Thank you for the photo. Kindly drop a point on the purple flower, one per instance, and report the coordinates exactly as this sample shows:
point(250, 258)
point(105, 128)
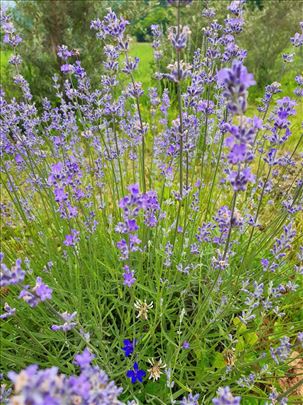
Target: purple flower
point(8, 311)
point(15, 275)
point(234, 25)
point(129, 276)
point(185, 345)
point(235, 6)
point(300, 338)
point(47, 387)
point(136, 374)
point(240, 179)
point(131, 205)
point(225, 397)
point(10, 37)
point(236, 79)
point(60, 194)
point(235, 82)
point(68, 320)
point(67, 69)
point(72, 239)
point(111, 25)
point(64, 53)
point(132, 225)
point(190, 400)
point(288, 57)
point(15, 60)
point(134, 190)
point(42, 290)
point(282, 352)
point(156, 30)
point(130, 65)
point(297, 39)
point(84, 359)
point(178, 39)
point(28, 297)
point(237, 154)
point(273, 396)
point(123, 247)
point(265, 263)
point(57, 173)
point(128, 347)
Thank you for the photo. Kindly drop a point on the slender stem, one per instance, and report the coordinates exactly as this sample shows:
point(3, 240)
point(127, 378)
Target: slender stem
point(118, 156)
point(233, 205)
point(180, 105)
point(257, 213)
point(214, 177)
point(142, 131)
point(205, 134)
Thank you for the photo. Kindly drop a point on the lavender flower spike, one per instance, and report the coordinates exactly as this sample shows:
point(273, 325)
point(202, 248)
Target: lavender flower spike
point(235, 82)
point(225, 397)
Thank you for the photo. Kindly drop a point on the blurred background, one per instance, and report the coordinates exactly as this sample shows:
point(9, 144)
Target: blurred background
point(45, 24)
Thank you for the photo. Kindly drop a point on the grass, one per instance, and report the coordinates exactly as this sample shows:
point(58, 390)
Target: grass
point(144, 51)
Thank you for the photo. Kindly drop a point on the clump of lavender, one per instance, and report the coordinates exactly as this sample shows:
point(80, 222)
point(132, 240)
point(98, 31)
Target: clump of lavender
point(132, 205)
point(36, 386)
point(151, 223)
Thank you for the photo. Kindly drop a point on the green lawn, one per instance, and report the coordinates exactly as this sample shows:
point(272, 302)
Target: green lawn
point(4, 56)
point(144, 51)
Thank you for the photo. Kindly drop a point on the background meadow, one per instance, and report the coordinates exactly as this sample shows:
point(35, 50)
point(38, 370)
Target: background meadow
point(151, 202)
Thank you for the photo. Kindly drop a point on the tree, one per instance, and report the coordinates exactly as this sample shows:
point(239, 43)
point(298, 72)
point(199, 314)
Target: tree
point(267, 34)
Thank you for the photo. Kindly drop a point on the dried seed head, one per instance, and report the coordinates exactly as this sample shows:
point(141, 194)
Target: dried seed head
point(155, 370)
point(143, 308)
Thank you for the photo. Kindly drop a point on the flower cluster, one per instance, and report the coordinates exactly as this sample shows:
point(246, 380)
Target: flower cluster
point(64, 177)
point(235, 82)
point(157, 36)
point(240, 144)
point(37, 386)
point(8, 311)
point(297, 39)
point(225, 397)
point(15, 275)
point(40, 292)
point(111, 26)
point(131, 205)
point(178, 187)
point(282, 352)
point(10, 37)
point(178, 37)
point(68, 322)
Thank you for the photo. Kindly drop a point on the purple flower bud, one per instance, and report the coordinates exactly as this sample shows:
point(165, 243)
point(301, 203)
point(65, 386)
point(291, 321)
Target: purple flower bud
point(129, 276)
point(84, 359)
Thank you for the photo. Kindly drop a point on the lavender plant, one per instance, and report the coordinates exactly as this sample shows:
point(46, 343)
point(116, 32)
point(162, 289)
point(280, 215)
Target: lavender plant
point(155, 247)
